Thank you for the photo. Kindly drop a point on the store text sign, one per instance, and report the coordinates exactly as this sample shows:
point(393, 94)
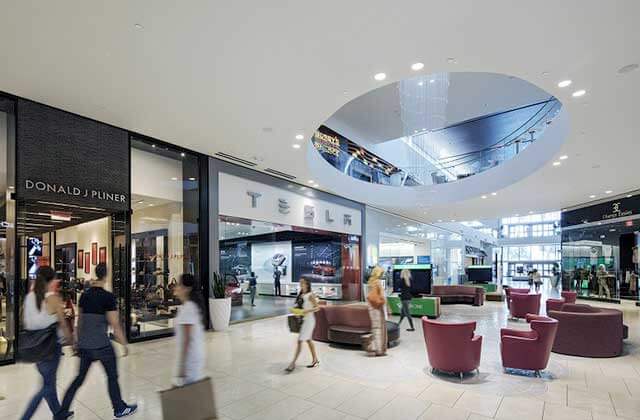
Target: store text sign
point(72, 191)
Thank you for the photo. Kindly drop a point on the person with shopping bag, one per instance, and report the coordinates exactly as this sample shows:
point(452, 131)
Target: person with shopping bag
point(307, 305)
point(376, 343)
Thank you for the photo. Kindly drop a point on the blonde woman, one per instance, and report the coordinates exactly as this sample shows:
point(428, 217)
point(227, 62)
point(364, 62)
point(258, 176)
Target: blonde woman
point(375, 299)
point(405, 298)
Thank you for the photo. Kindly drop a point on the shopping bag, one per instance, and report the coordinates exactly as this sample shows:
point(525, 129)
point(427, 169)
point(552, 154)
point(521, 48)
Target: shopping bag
point(193, 401)
point(295, 323)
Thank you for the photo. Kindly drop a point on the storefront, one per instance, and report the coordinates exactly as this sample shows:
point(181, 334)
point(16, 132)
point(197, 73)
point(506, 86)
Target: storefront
point(273, 233)
point(77, 192)
point(600, 249)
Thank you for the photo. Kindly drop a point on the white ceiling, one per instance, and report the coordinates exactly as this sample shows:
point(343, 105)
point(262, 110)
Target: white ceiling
point(376, 116)
point(211, 75)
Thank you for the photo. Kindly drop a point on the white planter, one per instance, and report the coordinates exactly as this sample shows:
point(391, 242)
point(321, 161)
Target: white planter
point(220, 313)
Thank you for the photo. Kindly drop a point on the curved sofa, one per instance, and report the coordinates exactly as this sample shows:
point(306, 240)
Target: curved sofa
point(452, 347)
point(588, 331)
point(346, 324)
point(459, 294)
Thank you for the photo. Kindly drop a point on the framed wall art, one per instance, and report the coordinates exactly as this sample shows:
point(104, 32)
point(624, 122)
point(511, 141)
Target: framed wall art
point(94, 253)
point(87, 262)
point(80, 258)
point(102, 255)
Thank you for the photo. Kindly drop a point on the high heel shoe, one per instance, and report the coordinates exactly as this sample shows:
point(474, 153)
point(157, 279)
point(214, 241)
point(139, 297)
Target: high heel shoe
point(290, 369)
point(314, 364)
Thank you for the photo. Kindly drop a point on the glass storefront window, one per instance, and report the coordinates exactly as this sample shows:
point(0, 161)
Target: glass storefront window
point(164, 232)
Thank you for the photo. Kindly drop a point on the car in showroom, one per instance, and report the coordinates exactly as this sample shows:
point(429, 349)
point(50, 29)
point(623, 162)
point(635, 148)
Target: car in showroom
point(324, 270)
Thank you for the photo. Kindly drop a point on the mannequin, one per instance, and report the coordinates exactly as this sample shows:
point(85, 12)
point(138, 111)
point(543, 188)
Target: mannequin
point(602, 281)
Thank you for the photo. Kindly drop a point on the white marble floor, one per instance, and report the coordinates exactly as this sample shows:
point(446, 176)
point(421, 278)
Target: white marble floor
point(247, 365)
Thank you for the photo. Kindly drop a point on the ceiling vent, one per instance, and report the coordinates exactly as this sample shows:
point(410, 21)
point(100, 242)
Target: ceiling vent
point(281, 174)
point(235, 159)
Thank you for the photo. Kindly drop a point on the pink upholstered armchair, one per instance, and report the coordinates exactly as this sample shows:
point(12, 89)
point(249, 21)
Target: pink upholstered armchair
point(452, 347)
point(529, 349)
point(556, 304)
point(522, 304)
point(510, 290)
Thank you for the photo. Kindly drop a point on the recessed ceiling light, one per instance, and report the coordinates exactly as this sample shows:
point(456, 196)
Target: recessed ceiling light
point(545, 73)
point(432, 80)
point(556, 163)
point(141, 201)
point(380, 76)
point(564, 83)
point(602, 236)
point(150, 205)
point(311, 181)
point(608, 192)
point(192, 179)
point(420, 83)
point(439, 220)
point(612, 230)
point(579, 93)
point(628, 195)
point(453, 220)
point(296, 146)
point(564, 157)
point(628, 68)
point(153, 145)
point(183, 154)
point(494, 193)
point(138, 26)
point(417, 66)
point(592, 196)
point(299, 136)
point(530, 212)
point(174, 178)
point(483, 197)
point(451, 60)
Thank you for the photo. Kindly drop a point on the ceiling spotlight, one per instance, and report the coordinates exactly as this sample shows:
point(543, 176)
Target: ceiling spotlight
point(453, 220)
point(494, 193)
point(153, 145)
point(579, 93)
point(602, 236)
point(432, 80)
point(183, 154)
point(311, 181)
point(628, 68)
point(417, 66)
point(380, 76)
point(530, 212)
point(451, 60)
point(138, 26)
point(608, 192)
point(174, 178)
point(141, 201)
point(299, 136)
point(592, 196)
point(192, 179)
point(483, 197)
point(439, 220)
point(556, 163)
point(564, 157)
point(296, 146)
point(420, 83)
point(628, 195)
point(564, 83)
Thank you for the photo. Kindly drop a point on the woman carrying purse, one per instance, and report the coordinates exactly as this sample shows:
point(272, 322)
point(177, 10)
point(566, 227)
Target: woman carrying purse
point(377, 345)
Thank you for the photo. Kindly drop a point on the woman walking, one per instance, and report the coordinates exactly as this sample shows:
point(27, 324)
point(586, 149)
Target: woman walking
point(405, 298)
point(537, 279)
point(308, 302)
point(43, 308)
point(189, 332)
point(375, 299)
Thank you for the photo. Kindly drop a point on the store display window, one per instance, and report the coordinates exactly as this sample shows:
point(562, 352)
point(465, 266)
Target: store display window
point(262, 264)
point(164, 233)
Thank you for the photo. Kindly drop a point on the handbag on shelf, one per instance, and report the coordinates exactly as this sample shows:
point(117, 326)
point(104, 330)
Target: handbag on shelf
point(194, 401)
point(295, 323)
point(37, 345)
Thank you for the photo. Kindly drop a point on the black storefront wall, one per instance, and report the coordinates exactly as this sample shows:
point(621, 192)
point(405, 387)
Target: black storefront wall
point(68, 159)
point(623, 207)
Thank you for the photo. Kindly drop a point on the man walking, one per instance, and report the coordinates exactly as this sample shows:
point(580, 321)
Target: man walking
point(98, 310)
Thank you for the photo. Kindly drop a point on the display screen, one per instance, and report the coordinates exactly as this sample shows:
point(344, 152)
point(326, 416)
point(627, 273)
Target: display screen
point(318, 262)
point(34, 251)
point(480, 274)
point(421, 278)
point(235, 259)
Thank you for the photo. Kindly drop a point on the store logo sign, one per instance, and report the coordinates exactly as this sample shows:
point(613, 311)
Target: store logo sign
point(616, 212)
point(327, 216)
point(283, 206)
point(309, 212)
point(347, 220)
point(254, 198)
point(69, 190)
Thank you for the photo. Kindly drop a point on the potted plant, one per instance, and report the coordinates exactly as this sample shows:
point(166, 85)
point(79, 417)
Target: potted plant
point(219, 304)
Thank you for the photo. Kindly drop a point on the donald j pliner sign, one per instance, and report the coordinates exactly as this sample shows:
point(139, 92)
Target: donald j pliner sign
point(72, 191)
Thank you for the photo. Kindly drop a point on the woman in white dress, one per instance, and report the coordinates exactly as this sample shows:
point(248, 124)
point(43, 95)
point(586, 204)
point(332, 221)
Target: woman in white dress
point(189, 330)
point(308, 302)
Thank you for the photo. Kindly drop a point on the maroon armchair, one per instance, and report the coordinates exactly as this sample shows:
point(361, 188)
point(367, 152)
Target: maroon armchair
point(528, 349)
point(556, 304)
point(520, 304)
point(588, 331)
point(452, 347)
point(509, 290)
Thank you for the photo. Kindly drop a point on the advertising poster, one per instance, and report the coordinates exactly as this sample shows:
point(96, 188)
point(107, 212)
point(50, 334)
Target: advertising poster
point(270, 256)
point(236, 259)
point(320, 262)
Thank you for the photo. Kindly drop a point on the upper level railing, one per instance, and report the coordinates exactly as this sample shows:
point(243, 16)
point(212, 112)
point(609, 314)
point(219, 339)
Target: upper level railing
point(429, 164)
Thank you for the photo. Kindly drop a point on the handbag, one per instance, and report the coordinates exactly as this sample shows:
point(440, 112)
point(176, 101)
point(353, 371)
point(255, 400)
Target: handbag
point(295, 323)
point(193, 401)
point(37, 345)
point(375, 299)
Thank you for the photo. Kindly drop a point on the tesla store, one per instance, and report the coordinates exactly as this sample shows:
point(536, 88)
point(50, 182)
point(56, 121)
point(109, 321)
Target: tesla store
point(272, 233)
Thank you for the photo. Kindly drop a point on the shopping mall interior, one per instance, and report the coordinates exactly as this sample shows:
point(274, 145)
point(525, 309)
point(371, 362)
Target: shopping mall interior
point(470, 165)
